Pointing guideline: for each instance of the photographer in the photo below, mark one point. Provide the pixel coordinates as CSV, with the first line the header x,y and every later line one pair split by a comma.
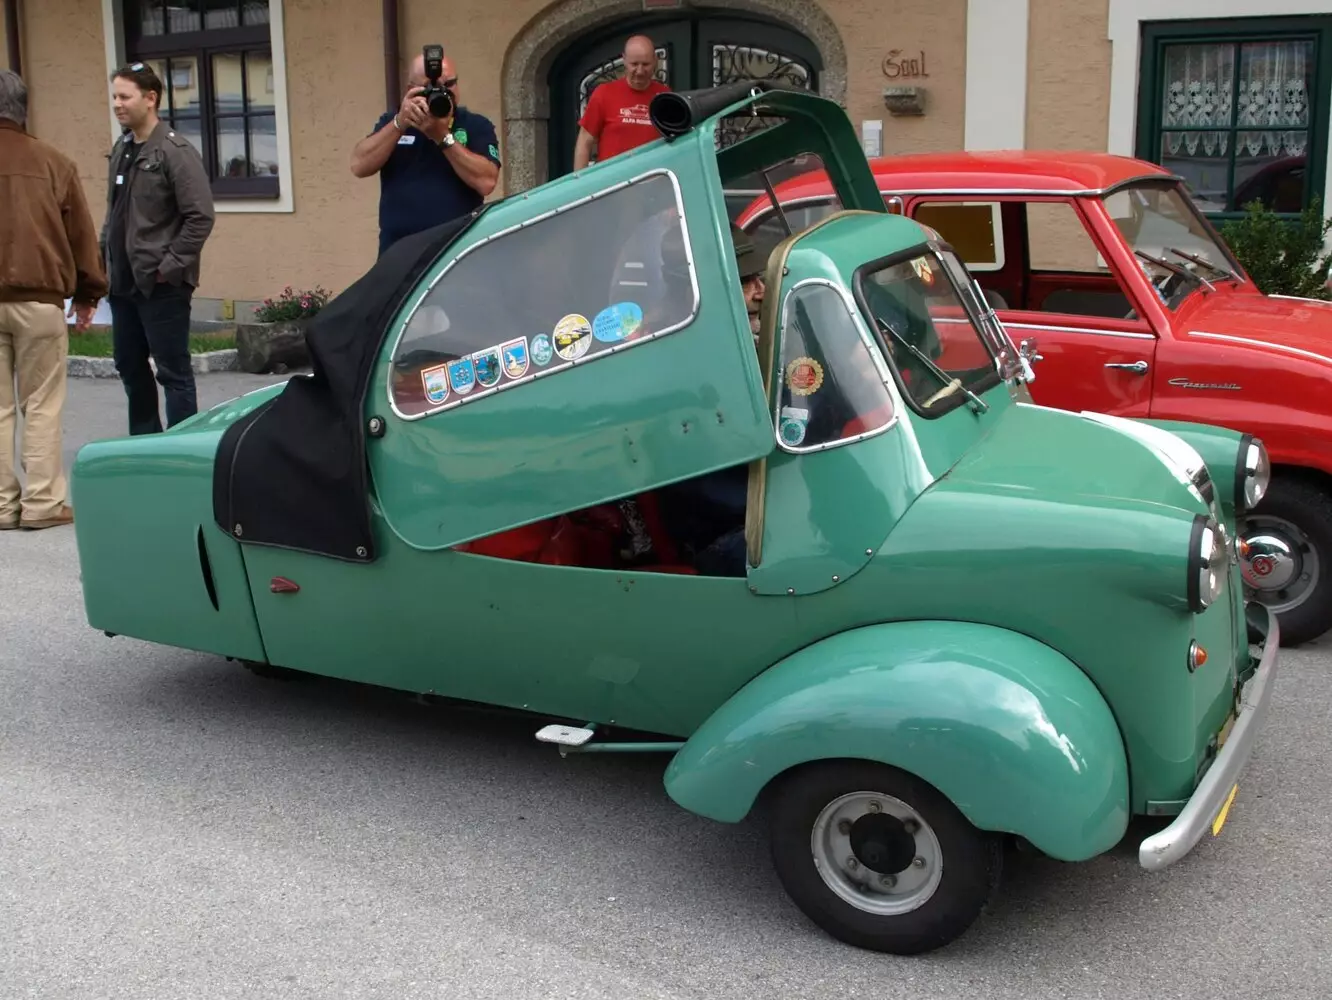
x,y
436,160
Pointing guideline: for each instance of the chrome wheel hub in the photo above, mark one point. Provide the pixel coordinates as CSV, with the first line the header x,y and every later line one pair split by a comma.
x,y
1282,567
877,853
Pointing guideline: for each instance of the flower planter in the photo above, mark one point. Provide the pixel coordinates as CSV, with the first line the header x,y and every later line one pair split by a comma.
x,y
272,347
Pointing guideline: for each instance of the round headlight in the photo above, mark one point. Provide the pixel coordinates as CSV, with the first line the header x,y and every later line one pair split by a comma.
x,y
1208,563
1254,473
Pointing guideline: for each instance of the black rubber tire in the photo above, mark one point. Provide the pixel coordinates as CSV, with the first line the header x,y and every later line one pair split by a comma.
x,y
1306,505
972,859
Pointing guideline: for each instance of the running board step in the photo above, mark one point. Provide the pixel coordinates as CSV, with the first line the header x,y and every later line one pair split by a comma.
x,y
569,736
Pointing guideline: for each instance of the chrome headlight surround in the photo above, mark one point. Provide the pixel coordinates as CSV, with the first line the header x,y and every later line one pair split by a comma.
x,y
1208,563
1253,474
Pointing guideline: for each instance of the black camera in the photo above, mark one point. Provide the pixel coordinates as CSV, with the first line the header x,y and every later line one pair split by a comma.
x,y
437,98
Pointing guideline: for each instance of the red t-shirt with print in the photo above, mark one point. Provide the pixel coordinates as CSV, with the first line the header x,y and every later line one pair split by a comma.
x,y
618,116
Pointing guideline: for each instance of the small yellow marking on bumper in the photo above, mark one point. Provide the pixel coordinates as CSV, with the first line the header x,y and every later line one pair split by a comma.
x,y
1220,820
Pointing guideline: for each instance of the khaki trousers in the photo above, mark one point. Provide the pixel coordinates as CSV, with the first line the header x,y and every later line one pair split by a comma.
x,y
34,343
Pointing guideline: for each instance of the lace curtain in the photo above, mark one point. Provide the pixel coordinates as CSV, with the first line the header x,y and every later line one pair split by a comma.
x,y
1269,115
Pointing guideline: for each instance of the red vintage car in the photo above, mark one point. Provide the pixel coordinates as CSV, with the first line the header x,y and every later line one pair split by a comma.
x,y
1128,302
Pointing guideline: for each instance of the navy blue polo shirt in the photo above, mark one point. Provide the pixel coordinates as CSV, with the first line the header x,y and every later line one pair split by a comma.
x,y
418,187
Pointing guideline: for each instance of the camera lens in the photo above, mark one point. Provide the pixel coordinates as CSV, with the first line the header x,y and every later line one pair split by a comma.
x,y
441,104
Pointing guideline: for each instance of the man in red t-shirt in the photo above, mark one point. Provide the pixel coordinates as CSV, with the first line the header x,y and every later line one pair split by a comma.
x,y
617,112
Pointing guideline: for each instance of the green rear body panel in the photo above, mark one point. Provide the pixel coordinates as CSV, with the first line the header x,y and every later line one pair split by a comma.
x,y
155,565
1012,733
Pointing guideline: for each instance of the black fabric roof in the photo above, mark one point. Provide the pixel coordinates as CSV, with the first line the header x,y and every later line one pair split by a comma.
x,y
293,473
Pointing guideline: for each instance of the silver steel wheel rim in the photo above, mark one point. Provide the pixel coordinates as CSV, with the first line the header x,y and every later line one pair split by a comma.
x,y
877,853
1282,568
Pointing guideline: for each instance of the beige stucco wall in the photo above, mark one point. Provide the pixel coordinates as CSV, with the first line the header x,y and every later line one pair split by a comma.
x,y
870,30
1068,74
64,67
335,91
334,94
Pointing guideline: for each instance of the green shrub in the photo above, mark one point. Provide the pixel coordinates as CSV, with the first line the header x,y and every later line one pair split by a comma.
x,y
1283,257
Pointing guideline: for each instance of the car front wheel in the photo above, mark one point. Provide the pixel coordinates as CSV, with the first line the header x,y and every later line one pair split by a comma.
x,y
878,858
1289,566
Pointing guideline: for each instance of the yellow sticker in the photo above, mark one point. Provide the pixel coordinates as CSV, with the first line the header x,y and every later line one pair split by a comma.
x,y
1220,820
804,376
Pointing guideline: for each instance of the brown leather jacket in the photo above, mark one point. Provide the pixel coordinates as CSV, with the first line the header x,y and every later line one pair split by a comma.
x,y
48,239
170,210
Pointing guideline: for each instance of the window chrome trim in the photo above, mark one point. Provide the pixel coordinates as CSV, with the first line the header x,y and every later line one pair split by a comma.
x,y
533,375
1125,334
876,358
1299,298
976,192
973,191
1299,352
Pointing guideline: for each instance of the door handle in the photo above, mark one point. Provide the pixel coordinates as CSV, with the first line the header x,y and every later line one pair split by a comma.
x,y
1138,367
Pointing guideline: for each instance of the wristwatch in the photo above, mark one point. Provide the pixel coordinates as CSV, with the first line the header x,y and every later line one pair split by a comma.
x,y
448,140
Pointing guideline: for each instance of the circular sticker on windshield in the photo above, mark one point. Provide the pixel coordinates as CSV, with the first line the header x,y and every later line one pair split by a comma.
x,y
804,376
542,351
792,431
572,337
617,322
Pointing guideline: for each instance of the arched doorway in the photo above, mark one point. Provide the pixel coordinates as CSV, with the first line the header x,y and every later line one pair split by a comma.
x,y
695,49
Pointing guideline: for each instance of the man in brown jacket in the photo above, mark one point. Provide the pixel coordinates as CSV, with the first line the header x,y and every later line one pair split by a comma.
x,y
159,213
48,253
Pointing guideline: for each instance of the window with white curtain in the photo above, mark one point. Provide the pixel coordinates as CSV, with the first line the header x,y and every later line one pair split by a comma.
x,y
1239,108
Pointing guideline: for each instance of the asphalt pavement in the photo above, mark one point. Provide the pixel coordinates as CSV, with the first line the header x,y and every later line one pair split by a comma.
x,y
172,826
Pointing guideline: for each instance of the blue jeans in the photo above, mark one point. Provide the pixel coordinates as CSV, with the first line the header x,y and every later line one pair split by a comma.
x,y
158,326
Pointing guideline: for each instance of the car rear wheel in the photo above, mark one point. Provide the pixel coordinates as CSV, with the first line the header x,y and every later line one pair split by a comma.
x,y
878,858
1289,566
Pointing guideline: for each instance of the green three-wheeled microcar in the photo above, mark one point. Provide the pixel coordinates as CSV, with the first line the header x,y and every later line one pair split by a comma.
x,y
836,560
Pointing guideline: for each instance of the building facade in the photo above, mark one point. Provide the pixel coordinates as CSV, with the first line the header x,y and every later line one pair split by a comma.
x,y
1236,95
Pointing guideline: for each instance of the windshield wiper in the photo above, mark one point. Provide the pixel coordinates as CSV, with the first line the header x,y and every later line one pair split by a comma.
x,y
1176,268
1204,262
950,384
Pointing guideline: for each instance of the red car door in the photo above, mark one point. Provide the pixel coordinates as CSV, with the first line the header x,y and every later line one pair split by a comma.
x,y
1050,279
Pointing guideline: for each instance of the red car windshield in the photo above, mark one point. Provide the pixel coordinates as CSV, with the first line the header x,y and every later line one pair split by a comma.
x,y
1173,243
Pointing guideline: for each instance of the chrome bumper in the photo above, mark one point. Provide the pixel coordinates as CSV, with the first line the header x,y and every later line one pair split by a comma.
x,y
1165,848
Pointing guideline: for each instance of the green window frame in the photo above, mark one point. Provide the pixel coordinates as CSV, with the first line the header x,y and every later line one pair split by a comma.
x,y
1222,136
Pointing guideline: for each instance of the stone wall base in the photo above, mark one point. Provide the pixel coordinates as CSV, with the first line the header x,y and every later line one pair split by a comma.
x,y
78,366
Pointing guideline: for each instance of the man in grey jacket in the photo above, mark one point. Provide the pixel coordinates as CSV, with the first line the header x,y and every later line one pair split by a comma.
x,y
159,213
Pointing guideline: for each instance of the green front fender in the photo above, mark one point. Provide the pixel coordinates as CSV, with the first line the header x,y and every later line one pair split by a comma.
x,y
1219,448
1008,729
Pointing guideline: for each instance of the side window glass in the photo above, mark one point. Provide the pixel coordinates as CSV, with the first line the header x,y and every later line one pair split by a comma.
x,y
1068,274
832,384
972,228
597,277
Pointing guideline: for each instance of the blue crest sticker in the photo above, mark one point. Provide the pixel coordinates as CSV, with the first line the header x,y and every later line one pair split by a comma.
x,y
462,376
436,383
513,354
617,322
487,367
542,350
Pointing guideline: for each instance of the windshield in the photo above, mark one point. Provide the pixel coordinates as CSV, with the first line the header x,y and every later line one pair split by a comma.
x,y
940,356
1172,243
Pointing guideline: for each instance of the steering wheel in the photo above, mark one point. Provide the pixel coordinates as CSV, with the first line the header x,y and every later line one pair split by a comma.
x,y
1165,287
